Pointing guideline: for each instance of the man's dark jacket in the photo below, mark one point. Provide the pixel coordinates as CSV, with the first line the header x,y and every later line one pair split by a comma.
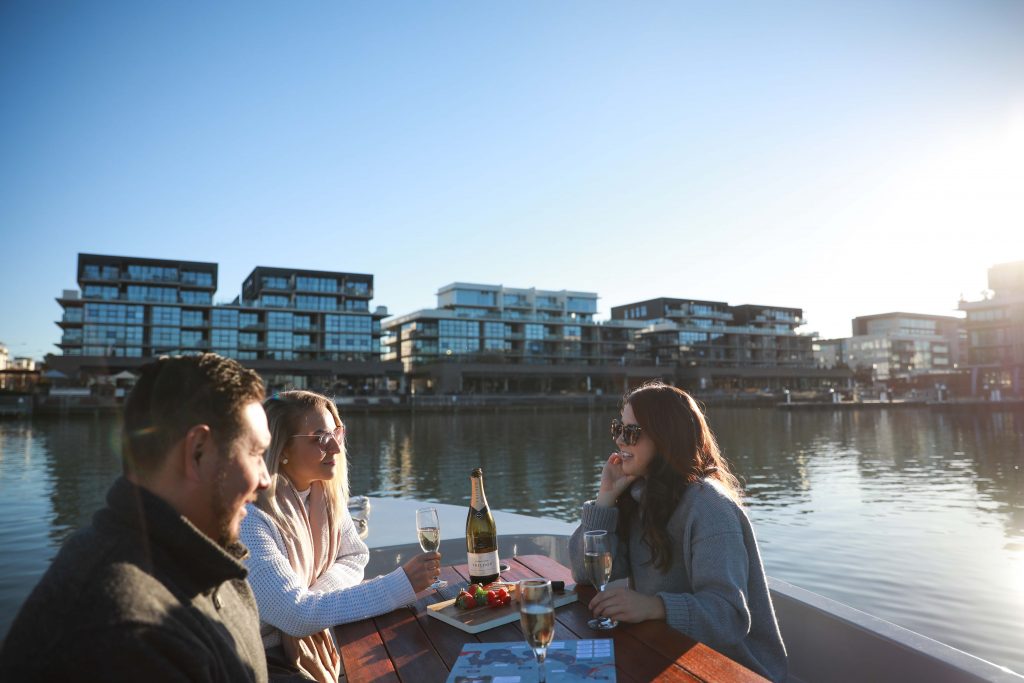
x,y
141,595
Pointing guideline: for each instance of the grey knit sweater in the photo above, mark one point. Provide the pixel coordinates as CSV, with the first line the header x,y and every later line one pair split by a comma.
x,y
715,590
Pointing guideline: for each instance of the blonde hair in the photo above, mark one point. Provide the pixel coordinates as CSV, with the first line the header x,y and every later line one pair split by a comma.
x,y
285,412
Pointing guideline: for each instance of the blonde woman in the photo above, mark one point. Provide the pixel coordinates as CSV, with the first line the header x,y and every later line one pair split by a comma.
x,y
306,559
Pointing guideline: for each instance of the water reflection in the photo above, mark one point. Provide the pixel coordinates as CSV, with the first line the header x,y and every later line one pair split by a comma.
x,y
913,516
83,460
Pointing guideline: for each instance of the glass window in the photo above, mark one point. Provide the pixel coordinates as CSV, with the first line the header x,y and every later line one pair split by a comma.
x,y
191,339
347,323
248,320
249,339
458,345
114,313
316,303
273,301
574,332
459,328
316,284
473,297
198,278
100,292
495,330
302,322
347,342
152,273
463,312
224,338
277,320
581,305
357,305
279,340
533,331
166,336
192,318
154,294
271,282
196,298
112,334
547,302
165,315
357,288
497,345
224,317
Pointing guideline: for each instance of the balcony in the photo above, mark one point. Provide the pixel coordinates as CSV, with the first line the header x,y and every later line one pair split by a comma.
x,y
352,290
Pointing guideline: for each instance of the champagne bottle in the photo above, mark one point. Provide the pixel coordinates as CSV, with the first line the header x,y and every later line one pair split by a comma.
x,y
481,534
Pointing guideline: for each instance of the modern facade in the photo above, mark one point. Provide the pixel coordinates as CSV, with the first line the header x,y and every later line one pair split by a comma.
x,y
493,339
714,345
995,333
298,328
832,353
902,346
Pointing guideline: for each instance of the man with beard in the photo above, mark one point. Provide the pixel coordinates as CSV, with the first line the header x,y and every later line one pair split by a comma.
x,y
155,589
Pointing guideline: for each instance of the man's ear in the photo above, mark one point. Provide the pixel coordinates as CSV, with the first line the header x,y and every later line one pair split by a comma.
x,y
198,449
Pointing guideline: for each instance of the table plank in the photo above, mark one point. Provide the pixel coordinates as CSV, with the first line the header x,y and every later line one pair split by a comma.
x,y
411,651
446,639
363,653
697,658
406,645
634,659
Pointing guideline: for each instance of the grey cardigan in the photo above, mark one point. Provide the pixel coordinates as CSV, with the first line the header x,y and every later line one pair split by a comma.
x,y
715,590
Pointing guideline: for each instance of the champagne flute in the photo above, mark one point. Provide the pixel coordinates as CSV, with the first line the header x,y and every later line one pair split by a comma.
x,y
537,618
428,529
597,558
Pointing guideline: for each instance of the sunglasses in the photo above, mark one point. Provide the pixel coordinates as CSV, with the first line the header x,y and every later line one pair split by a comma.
x,y
630,433
323,439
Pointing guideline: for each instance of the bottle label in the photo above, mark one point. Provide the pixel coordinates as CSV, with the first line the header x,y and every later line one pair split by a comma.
x,y
483,564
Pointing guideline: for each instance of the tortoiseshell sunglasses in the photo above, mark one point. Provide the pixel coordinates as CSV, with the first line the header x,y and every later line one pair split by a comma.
x,y
630,433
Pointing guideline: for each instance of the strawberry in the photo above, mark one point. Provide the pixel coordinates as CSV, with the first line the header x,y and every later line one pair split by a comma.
x,y
465,601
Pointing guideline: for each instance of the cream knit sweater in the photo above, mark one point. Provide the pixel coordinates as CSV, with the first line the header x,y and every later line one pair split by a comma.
x,y
339,596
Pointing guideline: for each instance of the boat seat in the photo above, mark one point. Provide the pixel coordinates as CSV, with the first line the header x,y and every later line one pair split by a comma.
x,y
359,508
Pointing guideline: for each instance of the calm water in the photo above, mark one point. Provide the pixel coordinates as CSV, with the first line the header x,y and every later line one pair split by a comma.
x,y
915,517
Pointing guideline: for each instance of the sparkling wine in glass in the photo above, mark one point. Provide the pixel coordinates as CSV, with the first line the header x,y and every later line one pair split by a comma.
x,y
537,618
428,529
597,559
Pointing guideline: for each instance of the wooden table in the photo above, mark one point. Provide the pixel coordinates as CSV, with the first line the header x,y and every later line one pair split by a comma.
x,y
408,646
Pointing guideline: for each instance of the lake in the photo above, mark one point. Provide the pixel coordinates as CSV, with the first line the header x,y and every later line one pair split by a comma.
x,y
913,516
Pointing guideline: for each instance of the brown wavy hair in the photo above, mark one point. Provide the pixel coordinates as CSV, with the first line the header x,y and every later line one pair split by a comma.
x,y
685,452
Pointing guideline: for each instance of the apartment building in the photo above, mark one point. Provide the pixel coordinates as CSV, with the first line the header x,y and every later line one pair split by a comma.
x,y
995,333
298,328
715,345
903,346
494,339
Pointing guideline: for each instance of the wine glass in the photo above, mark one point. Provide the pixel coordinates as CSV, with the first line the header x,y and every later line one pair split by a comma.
x,y
597,558
537,618
428,529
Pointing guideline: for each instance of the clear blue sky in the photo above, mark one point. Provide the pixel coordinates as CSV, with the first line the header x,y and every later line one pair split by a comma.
x,y
848,158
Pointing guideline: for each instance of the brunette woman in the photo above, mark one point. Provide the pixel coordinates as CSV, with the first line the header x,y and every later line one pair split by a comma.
x,y
679,533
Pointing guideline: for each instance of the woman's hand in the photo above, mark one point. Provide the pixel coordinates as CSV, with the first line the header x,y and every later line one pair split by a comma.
x,y
613,481
627,605
422,570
